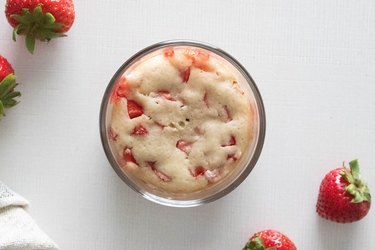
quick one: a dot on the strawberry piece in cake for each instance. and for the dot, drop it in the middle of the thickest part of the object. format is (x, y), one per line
(134, 109)
(128, 156)
(184, 146)
(139, 130)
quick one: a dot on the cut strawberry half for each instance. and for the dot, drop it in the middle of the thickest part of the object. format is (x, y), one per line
(134, 109)
(185, 75)
(166, 95)
(199, 170)
(139, 130)
(184, 146)
(128, 156)
(162, 176)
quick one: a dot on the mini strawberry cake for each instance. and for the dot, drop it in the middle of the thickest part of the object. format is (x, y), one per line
(179, 120)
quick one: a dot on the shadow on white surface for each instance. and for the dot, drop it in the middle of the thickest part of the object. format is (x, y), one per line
(332, 235)
(177, 228)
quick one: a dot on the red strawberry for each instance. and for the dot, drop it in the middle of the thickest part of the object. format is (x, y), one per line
(121, 89)
(184, 146)
(39, 19)
(140, 130)
(169, 52)
(134, 109)
(5, 68)
(199, 58)
(199, 170)
(343, 196)
(166, 95)
(112, 135)
(128, 155)
(269, 240)
(227, 116)
(7, 86)
(205, 100)
(231, 156)
(162, 176)
(231, 142)
(185, 74)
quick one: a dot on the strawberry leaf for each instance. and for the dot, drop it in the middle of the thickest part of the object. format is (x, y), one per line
(347, 175)
(30, 43)
(2, 109)
(7, 85)
(256, 243)
(18, 18)
(37, 12)
(354, 168)
(12, 95)
(357, 187)
(36, 25)
(7, 93)
(49, 19)
(15, 31)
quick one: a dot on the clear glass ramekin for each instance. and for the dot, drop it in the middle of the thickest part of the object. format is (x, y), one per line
(224, 186)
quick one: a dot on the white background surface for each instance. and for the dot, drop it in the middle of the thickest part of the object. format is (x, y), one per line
(314, 63)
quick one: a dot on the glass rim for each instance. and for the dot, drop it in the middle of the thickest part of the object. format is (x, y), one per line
(259, 140)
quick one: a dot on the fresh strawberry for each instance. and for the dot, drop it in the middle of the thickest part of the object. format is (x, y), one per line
(134, 109)
(343, 197)
(269, 240)
(7, 86)
(39, 19)
(5, 68)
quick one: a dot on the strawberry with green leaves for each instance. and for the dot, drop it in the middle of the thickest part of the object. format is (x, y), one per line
(39, 19)
(7, 86)
(269, 240)
(344, 197)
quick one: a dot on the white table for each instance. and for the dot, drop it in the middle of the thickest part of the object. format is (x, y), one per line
(314, 63)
